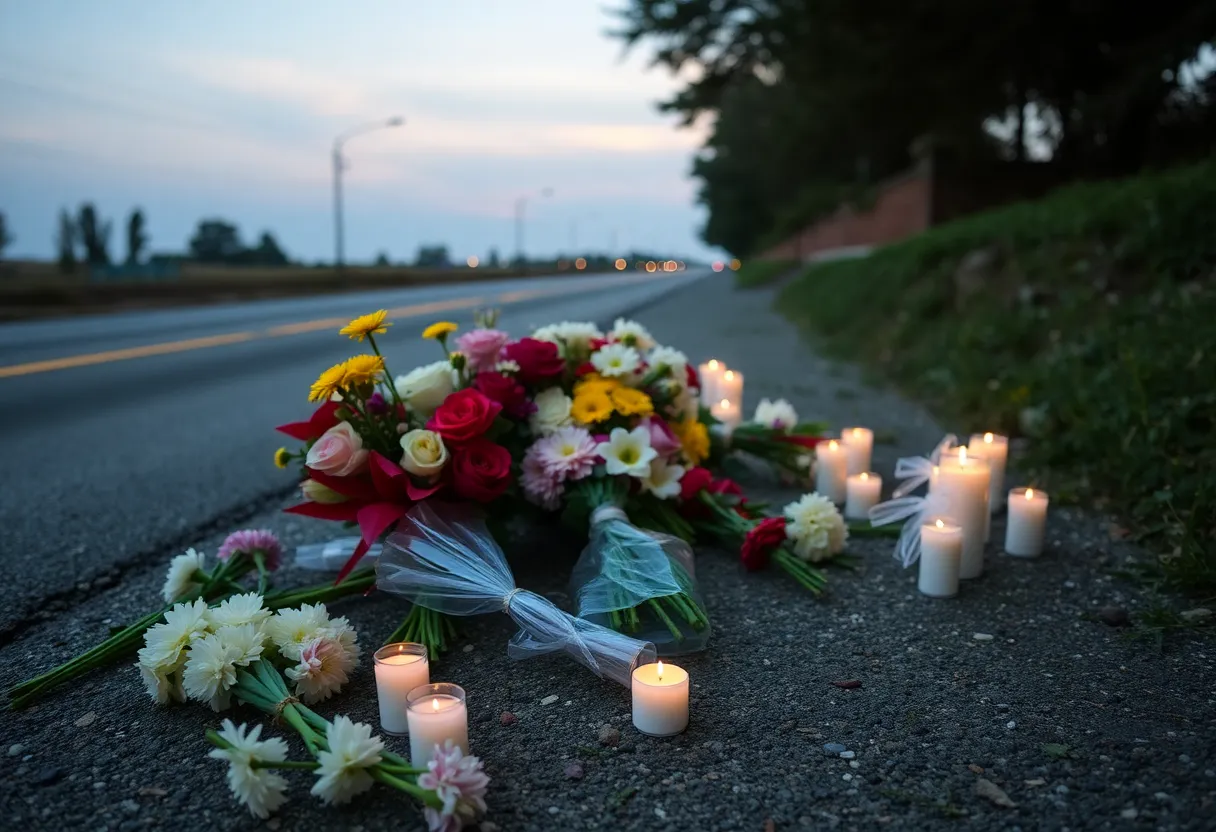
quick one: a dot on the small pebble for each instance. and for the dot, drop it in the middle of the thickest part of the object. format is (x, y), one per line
(1002, 707)
(468, 648)
(833, 748)
(847, 755)
(574, 771)
(553, 810)
(87, 720)
(847, 777)
(854, 764)
(1114, 617)
(1070, 585)
(130, 806)
(1129, 814)
(1184, 758)
(609, 736)
(1162, 796)
(15, 749)
(982, 636)
(1011, 724)
(1061, 789)
(549, 700)
(508, 718)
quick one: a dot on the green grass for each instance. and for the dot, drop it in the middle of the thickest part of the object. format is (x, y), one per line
(1091, 328)
(762, 272)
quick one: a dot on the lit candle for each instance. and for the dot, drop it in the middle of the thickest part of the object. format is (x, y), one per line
(860, 445)
(660, 699)
(437, 713)
(831, 471)
(941, 551)
(710, 374)
(863, 491)
(1027, 522)
(730, 386)
(727, 412)
(961, 493)
(400, 668)
(995, 449)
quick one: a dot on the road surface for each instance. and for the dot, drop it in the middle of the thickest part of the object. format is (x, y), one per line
(127, 435)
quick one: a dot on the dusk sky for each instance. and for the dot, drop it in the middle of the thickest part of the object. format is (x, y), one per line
(229, 109)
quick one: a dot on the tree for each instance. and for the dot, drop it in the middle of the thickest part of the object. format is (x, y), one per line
(65, 242)
(216, 241)
(493, 260)
(382, 261)
(94, 236)
(267, 253)
(6, 239)
(136, 238)
(432, 257)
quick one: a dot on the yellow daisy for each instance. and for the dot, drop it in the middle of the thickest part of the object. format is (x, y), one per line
(366, 326)
(630, 402)
(361, 370)
(327, 384)
(590, 408)
(281, 458)
(595, 383)
(694, 440)
(439, 330)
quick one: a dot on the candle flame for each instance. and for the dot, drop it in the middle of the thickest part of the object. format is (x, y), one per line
(857, 431)
(865, 476)
(659, 671)
(1029, 493)
(435, 703)
(730, 375)
(833, 445)
(936, 469)
(713, 364)
(724, 403)
(988, 438)
(939, 524)
(962, 454)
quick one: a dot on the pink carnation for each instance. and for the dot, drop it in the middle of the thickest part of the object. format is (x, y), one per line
(567, 453)
(661, 437)
(460, 783)
(539, 485)
(481, 347)
(251, 541)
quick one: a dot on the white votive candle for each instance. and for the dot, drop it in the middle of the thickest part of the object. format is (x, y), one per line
(730, 386)
(1027, 522)
(660, 699)
(863, 491)
(710, 373)
(994, 448)
(860, 445)
(437, 713)
(961, 492)
(400, 668)
(941, 552)
(831, 471)
(727, 412)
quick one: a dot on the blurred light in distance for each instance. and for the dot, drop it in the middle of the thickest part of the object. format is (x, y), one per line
(672, 265)
(620, 264)
(680, 266)
(651, 266)
(472, 261)
(735, 264)
(718, 266)
(580, 263)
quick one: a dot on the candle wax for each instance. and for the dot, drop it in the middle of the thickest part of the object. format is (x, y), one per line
(434, 719)
(863, 492)
(660, 699)
(1027, 522)
(398, 673)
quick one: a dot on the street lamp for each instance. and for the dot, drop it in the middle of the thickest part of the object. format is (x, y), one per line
(520, 205)
(339, 166)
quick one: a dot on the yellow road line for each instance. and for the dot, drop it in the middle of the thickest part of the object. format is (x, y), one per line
(124, 354)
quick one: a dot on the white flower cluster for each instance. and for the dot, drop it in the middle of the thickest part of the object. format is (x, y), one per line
(182, 576)
(196, 651)
(573, 338)
(815, 527)
(778, 414)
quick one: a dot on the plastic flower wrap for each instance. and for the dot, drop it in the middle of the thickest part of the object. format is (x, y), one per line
(443, 558)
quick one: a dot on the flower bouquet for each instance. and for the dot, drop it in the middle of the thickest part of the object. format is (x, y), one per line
(773, 436)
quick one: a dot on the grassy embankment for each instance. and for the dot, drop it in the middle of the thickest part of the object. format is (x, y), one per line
(762, 272)
(1086, 320)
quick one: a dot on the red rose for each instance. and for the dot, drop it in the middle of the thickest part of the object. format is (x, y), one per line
(506, 391)
(690, 377)
(481, 470)
(464, 415)
(695, 481)
(537, 360)
(761, 542)
(725, 486)
(585, 369)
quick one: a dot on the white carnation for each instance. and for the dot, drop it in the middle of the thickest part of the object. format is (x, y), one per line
(342, 773)
(815, 527)
(552, 411)
(778, 414)
(180, 579)
(237, 610)
(162, 682)
(424, 388)
(632, 333)
(573, 338)
(164, 642)
(671, 357)
(246, 640)
(323, 667)
(261, 789)
(291, 628)
(210, 671)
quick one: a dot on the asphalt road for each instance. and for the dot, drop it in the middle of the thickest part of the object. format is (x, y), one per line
(127, 435)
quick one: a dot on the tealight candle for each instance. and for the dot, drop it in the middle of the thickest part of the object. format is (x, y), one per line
(995, 449)
(941, 551)
(730, 386)
(660, 699)
(727, 412)
(863, 491)
(831, 471)
(710, 373)
(860, 445)
(436, 714)
(961, 492)
(400, 668)
(1027, 522)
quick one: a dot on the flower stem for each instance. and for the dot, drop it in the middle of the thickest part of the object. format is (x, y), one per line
(657, 609)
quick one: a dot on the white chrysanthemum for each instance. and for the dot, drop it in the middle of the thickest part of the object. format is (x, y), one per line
(627, 452)
(815, 527)
(778, 414)
(162, 682)
(237, 610)
(671, 357)
(632, 333)
(323, 668)
(616, 360)
(347, 636)
(552, 411)
(352, 749)
(573, 338)
(246, 639)
(507, 367)
(180, 579)
(211, 671)
(164, 642)
(290, 628)
(262, 790)
(663, 480)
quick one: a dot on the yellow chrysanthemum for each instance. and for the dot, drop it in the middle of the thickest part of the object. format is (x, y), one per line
(361, 370)
(595, 383)
(694, 440)
(281, 458)
(439, 330)
(590, 408)
(366, 325)
(327, 384)
(630, 402)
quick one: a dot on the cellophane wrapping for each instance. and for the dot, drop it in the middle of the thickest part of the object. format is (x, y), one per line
(442, 557)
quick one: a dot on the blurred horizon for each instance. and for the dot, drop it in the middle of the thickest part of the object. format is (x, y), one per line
(224, 111)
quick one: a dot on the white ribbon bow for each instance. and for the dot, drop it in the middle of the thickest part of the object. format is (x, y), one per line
(915, 471)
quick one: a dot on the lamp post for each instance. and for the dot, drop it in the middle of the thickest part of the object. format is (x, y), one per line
(574, 231)
(339, 165)
(520, 205)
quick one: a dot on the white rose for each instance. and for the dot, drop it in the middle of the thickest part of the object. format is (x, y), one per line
(424, 453)
(552, 411)
(425, 388)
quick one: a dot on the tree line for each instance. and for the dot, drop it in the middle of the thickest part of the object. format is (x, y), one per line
(814, 101)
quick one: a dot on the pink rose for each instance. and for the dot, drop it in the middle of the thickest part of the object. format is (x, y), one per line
(482, 347)
(661, 437)
(339, 452)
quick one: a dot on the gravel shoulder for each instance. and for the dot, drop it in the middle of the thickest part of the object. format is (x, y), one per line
(1017, 684)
